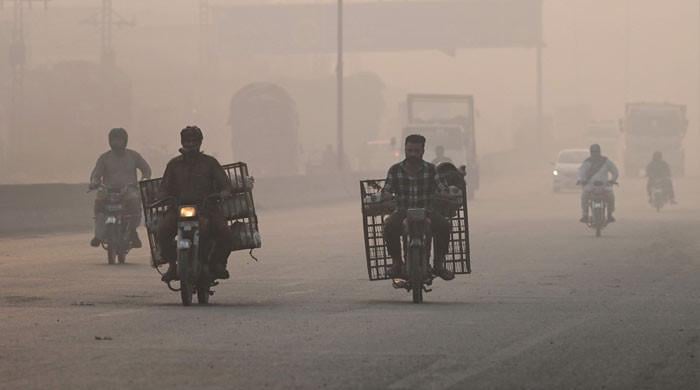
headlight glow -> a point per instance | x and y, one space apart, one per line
188 212
555 173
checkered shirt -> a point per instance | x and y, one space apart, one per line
413 191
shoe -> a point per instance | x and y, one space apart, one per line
395 271
219 271
170 274
444 273
95 242
584 219
611 219
135 240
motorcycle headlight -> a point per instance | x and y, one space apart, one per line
188 212
555 173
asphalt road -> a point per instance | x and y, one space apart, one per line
547 306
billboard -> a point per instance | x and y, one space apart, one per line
385 26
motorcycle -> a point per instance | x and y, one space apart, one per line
416 248
598 207
659 195
117 232
193 251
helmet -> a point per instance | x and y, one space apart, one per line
118 138
595 148
191 132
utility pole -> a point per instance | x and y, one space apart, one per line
107 19
339 74
204 59
12 136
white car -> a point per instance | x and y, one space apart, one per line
565 173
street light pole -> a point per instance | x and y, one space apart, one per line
339 74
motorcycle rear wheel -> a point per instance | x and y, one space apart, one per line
203 294
121 258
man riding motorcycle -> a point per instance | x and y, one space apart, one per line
414 182
658 171
190 178
116 169
597 168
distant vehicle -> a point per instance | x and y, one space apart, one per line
447 121
565 173
650 127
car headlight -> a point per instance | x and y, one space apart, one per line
555 173
188 212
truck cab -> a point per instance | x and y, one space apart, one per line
446 121
650 127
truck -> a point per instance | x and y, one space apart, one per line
446 121
650 127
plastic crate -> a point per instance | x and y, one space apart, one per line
379 262
239 211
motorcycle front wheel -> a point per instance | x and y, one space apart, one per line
185 274
415 257
111 255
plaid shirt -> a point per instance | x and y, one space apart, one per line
413 191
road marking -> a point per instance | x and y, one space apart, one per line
446 373
299 292
115 313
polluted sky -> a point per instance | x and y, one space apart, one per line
597 53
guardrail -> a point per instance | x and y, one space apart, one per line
46 208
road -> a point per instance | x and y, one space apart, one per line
548 306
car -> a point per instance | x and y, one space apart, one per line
565 173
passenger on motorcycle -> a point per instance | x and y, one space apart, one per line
597 168
116 169
658 171
190 178
414 183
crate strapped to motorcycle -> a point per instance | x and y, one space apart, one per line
239 211
374 213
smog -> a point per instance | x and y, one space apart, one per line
540 154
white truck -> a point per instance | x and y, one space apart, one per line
446 121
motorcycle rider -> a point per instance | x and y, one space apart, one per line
658 171
117 169
597 168
190 178
414 182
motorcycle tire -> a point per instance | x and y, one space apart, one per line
121 258
203 294
184 273
111 255
415 257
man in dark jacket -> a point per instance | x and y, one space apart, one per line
116 169
189 179
658 171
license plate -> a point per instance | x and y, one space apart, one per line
597 205
111 220
114 207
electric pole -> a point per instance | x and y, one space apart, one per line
12 136
339 74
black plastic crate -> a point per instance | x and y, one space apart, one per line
378 260
239 211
